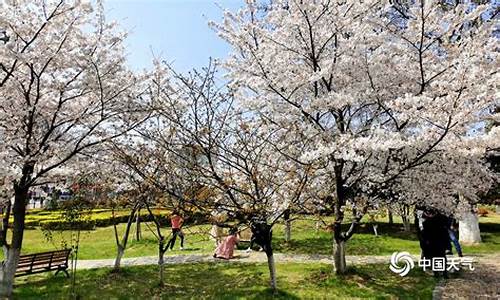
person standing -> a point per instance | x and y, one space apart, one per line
176 221
435 238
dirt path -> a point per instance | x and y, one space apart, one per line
481 283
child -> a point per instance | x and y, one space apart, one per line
226 248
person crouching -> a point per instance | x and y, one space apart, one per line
225 249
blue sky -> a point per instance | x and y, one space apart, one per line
175 30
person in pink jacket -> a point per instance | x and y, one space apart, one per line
226 248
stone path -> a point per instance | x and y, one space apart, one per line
481 283
240 257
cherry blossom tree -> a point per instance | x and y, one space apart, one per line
377 87
64 89
236 154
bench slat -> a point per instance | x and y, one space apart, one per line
48 252
43 262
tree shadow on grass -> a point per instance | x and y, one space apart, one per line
220 280
489 227
314 245
375 281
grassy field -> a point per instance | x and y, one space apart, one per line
100 243
243 281
306 239
232 281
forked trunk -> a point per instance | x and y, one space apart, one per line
272 271
121 246
339 257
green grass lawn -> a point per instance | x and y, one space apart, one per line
306 239
100 243
232 281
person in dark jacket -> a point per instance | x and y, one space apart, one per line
435 238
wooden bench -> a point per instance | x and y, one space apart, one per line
43 262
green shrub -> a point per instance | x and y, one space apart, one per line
53 220
64 225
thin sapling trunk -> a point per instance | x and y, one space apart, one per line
122 245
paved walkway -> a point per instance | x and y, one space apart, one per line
481 283
240 257
260 257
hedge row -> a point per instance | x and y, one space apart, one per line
105 221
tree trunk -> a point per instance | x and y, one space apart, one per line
161 263
391 219
288 225
121 246
118 259
288 230
138 226
262 232
161 243
12 259
339 257
161 259
8 272
406 223
405 216
272 271
469 229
